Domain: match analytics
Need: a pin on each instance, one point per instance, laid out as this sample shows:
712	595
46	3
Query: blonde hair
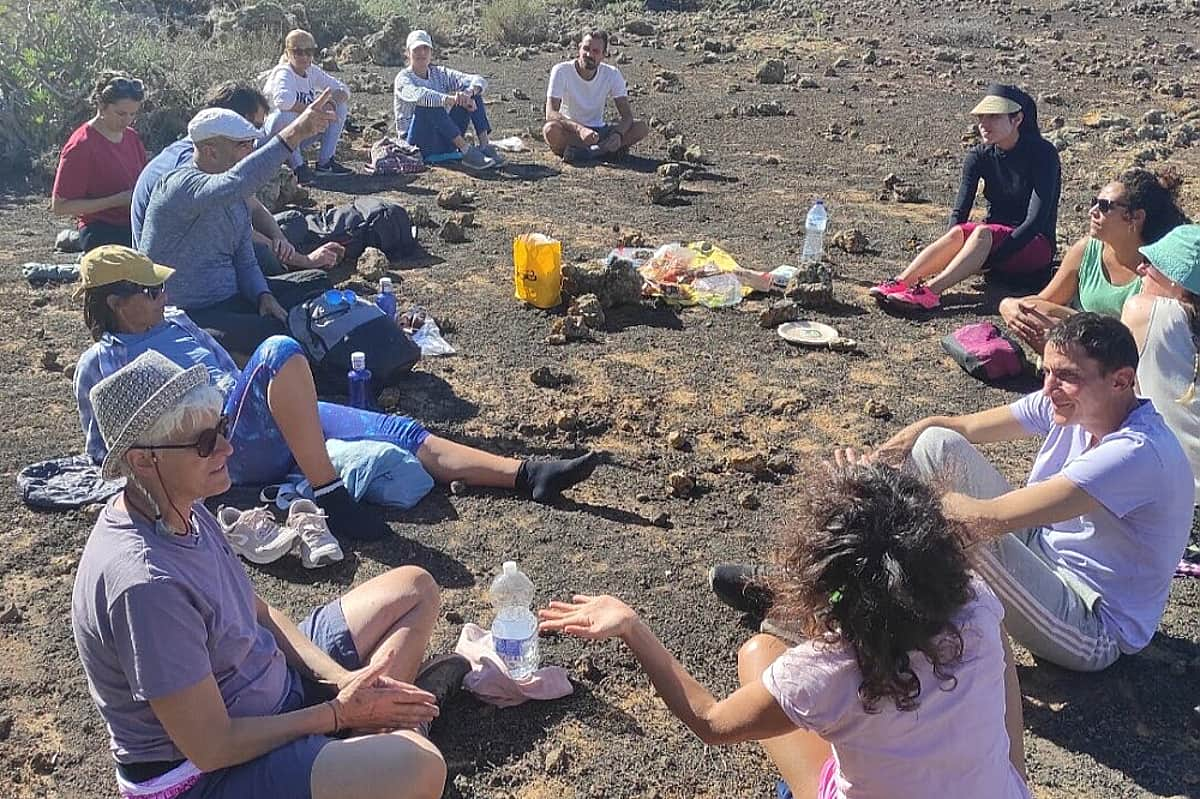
294	38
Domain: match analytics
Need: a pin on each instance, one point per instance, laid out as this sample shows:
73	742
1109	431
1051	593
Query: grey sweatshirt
199	225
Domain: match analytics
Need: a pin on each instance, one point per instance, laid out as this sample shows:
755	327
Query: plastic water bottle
360	381
814	232
514	631
386	298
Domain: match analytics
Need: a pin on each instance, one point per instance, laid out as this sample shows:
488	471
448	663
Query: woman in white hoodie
290	87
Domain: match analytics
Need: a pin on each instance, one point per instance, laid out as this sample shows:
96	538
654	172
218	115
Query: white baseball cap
418	38
213	122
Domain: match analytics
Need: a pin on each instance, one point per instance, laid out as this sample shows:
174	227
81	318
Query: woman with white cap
292	86
205	689
1165	321
434	106
277	424
1022	178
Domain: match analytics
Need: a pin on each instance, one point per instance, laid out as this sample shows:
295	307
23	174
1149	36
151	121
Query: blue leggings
433	130
260	453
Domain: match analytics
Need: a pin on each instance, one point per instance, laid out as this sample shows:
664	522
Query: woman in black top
1021	177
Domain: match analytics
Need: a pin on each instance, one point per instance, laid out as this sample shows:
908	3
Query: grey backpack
329	328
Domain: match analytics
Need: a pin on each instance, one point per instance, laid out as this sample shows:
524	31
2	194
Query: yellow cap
113	263
995	104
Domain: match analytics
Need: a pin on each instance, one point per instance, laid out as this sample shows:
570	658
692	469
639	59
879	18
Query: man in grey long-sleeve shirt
198	223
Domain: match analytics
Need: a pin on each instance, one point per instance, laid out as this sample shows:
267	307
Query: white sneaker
317	545
254	534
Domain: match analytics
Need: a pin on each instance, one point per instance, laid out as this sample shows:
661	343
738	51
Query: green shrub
517	21
438	20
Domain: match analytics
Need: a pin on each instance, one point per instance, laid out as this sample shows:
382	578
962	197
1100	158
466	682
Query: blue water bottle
386	298
360	381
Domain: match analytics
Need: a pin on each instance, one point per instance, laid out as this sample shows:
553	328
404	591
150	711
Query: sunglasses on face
133	289
1104	205
308	51
205	443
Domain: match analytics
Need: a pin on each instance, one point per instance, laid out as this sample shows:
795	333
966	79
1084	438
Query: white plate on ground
810	334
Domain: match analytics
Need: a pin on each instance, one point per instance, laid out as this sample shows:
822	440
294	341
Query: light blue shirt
172	157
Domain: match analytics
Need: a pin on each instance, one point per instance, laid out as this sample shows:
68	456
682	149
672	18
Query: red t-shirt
92	166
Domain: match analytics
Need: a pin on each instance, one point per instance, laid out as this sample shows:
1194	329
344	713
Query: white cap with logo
418	38
213	122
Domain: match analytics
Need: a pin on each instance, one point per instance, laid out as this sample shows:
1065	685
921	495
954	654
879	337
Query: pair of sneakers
897	292
306	174
481	159
256	536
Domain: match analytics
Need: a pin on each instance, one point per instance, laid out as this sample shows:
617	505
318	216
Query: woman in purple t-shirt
874	586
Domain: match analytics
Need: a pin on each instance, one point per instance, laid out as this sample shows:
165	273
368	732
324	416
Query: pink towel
489	679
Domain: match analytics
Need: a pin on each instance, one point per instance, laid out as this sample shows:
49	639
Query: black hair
241	98
98	315
871	562
1156	193
112	87
597	33
1102	338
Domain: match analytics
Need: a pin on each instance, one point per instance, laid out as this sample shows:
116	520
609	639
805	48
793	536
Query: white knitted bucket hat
130	400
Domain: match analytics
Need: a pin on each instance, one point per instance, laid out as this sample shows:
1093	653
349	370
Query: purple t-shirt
1127	550
953	744
154	614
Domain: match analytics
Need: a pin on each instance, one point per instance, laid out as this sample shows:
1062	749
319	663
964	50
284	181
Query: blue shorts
287	771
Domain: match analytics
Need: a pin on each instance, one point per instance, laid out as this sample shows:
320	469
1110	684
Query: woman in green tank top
1099	272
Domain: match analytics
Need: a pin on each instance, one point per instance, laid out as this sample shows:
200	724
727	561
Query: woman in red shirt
100	164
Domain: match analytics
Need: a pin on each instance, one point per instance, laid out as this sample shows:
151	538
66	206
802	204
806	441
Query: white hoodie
284	88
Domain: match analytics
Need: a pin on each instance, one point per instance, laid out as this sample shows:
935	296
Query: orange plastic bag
537	269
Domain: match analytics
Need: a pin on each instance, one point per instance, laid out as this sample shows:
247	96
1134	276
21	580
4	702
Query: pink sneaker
887	287
918	297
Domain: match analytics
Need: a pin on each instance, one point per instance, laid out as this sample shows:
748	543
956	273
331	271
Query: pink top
953	744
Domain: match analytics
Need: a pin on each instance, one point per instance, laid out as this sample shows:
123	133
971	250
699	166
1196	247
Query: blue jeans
278	120
433	130
260	453
287	770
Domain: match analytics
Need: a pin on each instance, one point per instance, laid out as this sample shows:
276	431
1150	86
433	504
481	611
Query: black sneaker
332	167
304	174
742	586
442	676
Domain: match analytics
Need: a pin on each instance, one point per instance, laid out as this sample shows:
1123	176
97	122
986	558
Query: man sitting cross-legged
579	90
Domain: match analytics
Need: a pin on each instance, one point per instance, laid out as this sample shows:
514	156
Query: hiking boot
332	167
304	175
254	534
475	160
317	545
491	152
581	155
919	298
891	286
742	586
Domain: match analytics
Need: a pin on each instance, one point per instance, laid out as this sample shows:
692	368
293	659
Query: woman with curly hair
100	163
874	588
1100	271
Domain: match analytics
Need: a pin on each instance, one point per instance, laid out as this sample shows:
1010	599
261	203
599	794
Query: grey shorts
287	771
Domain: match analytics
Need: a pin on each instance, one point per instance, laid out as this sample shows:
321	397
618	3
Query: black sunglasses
205	443
129	289
308	51
1105	205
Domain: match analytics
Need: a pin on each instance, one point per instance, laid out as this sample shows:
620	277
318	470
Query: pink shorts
1034	256
827	785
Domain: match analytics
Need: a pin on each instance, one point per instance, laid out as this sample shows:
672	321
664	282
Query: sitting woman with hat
275	419
205	689
1165	321
1021	177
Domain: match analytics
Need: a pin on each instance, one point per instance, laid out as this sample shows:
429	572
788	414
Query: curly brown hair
871	562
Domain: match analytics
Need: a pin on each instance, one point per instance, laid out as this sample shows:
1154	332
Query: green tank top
1095	293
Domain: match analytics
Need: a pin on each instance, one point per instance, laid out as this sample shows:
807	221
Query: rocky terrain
705	415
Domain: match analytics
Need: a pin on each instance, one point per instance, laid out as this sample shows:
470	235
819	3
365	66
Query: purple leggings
260	453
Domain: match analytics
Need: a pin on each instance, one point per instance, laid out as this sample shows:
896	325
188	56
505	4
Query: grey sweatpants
1048	609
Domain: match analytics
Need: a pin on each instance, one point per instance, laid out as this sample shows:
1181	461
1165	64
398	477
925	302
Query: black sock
543	480
346	517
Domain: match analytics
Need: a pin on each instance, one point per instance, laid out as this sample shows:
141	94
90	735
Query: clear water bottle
359	378
514	632
386	298
814	232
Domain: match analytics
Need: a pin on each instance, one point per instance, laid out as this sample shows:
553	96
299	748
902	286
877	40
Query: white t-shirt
953	744
1166	370
1126	550
284	88
583	101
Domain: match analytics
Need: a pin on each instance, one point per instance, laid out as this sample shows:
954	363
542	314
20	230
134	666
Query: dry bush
521	22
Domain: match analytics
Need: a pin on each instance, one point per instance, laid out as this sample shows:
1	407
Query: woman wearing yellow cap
1021	177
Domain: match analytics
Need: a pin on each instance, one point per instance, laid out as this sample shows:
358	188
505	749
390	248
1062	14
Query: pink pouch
985	352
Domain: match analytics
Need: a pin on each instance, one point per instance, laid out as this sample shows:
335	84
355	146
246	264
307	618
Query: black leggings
97	234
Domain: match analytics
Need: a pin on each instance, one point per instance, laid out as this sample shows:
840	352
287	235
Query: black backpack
366	222
330	331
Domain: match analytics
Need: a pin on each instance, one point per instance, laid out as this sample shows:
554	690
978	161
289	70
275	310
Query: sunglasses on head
1105	205
124	88
205	443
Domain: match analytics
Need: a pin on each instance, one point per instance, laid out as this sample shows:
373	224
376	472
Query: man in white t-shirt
575	101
